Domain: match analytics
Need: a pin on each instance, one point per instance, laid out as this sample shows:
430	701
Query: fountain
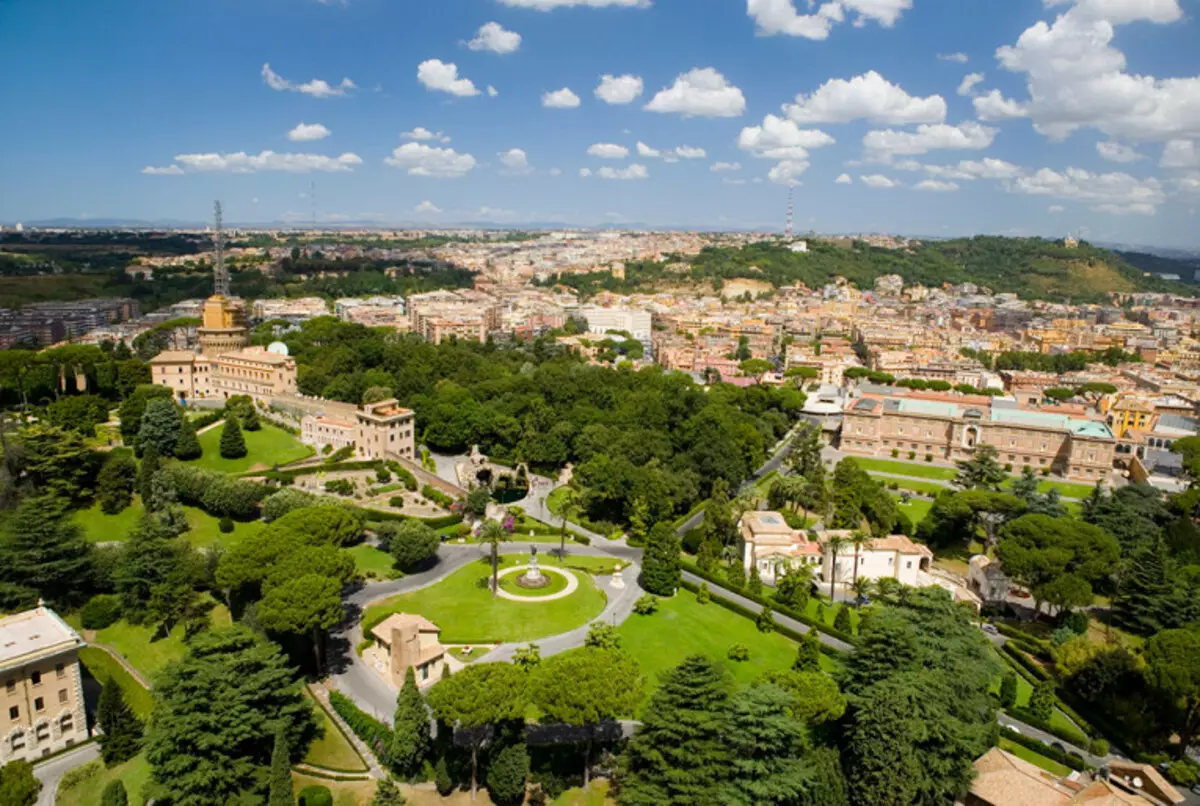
533	577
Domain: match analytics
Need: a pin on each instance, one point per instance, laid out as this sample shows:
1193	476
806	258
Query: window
39	704
18	740
14	712
60	670
891	560
36	678
67	723
43	732
11	686
908	564
62	695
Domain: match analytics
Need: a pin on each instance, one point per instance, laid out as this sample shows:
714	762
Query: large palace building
1079	449
254	371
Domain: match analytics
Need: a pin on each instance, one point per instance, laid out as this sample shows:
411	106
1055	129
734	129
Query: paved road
755	607
51	772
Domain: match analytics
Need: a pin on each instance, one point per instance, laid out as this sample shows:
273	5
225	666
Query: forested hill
1031	267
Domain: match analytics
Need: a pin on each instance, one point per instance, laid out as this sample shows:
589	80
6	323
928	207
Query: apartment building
42	701
441	315
1079	449
601	320
253	371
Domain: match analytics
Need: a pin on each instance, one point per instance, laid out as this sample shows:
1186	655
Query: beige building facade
378	430
411	641
253	371
42	701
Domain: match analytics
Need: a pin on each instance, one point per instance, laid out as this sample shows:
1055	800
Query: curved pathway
572	585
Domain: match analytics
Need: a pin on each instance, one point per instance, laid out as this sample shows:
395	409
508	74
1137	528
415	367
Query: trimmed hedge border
288	476
433	523
1023	659
374	734
734	607
1054	754
366	770
803	618
1023	714
1017	662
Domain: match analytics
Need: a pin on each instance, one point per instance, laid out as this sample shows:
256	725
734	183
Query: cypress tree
841	621
114	794
250	420
188	445
808	653
233	445
1145	590
765	743
1008	690
387	794
150	466
281	772
122	736
410	738
660	563
680	755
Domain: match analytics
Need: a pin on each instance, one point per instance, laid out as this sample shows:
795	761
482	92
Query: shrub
100	611
1045	471
929	457
912	455
1098	747
1008	690
225	525
396	501
233	444
1183	772
436	496
441	778
841	621
895	453
739	653
1008	467
765	621
703	596
281	503
374	734
339	487
75	777
507	773
646	605
691	540
315	796
340	455
1076	621
383	475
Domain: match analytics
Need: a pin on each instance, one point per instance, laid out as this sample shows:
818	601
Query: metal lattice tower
788	231
220	273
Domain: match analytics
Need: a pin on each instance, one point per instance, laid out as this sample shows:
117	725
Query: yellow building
223	328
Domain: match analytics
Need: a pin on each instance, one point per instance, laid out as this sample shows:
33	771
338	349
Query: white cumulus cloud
773	17
957	57
492	91
308	131
995	107
170	170
515	162
443	77
421	133
1180	154
560	99
882	145
718	167
986	168
843	179
492	36
634	171
700	92
243	163
427	208
788	172
690	153
878	181
1116	193
550	5
1118	152
866	97
970	80
317	88
619	89
420	159
777	138
608	151
936	186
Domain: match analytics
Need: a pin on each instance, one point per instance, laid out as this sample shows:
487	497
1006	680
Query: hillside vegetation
1032	267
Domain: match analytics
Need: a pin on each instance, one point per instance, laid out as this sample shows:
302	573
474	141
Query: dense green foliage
410	728
122	737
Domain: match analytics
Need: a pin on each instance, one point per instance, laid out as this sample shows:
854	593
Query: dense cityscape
626	446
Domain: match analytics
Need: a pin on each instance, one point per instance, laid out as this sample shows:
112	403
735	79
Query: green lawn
916	509
463	606
265	448
555	498
1066	489
138	643
594	795
133	773
103	667
374	563
332	750
100	528
915	485
1023	752
683	627
913	469
554	584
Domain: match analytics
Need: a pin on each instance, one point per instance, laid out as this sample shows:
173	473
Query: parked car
991	628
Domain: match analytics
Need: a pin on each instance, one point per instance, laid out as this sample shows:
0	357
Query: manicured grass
555	583
332	750
463	657
463	606
139	644
915	485
683	627
103	667
205	531
1024	753
916	509
555	498
267	447
345	793
374	563
914	469
594	795
134	774
830	610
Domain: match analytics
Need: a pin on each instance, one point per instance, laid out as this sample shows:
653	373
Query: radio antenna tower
788	231
220	273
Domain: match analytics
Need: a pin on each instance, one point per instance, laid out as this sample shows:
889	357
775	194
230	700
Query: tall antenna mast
220	273
788	231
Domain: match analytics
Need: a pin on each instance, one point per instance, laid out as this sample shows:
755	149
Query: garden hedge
1072	760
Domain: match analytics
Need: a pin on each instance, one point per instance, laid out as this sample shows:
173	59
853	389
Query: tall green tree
660	562
982	471
410	734
410	542
766	747
586	687
150	467
149	558
160	426
815	695
680	756
43	548
478	698
187	446
58	461
718	519
280	791
492	534
134	406
122	737
233	445
1144	597
387	793
18	786
216	713
1173	667
808	653
115	483
835	544
1038	550
508	773
80	413
305	605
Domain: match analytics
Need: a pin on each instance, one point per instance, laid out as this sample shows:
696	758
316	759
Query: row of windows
39	704
66	723
35	678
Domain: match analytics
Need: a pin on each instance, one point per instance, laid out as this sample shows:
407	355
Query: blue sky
1086	114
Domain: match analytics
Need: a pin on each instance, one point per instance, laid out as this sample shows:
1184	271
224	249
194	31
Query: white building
602	320
774	547
893	557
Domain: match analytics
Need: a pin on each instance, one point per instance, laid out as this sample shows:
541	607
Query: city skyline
887	115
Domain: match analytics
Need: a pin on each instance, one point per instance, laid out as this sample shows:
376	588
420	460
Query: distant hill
1185	267
1032	267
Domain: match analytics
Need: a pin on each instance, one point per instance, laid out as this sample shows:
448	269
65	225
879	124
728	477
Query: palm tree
860	540
834	544
493	534
862	590
567	508
793	490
